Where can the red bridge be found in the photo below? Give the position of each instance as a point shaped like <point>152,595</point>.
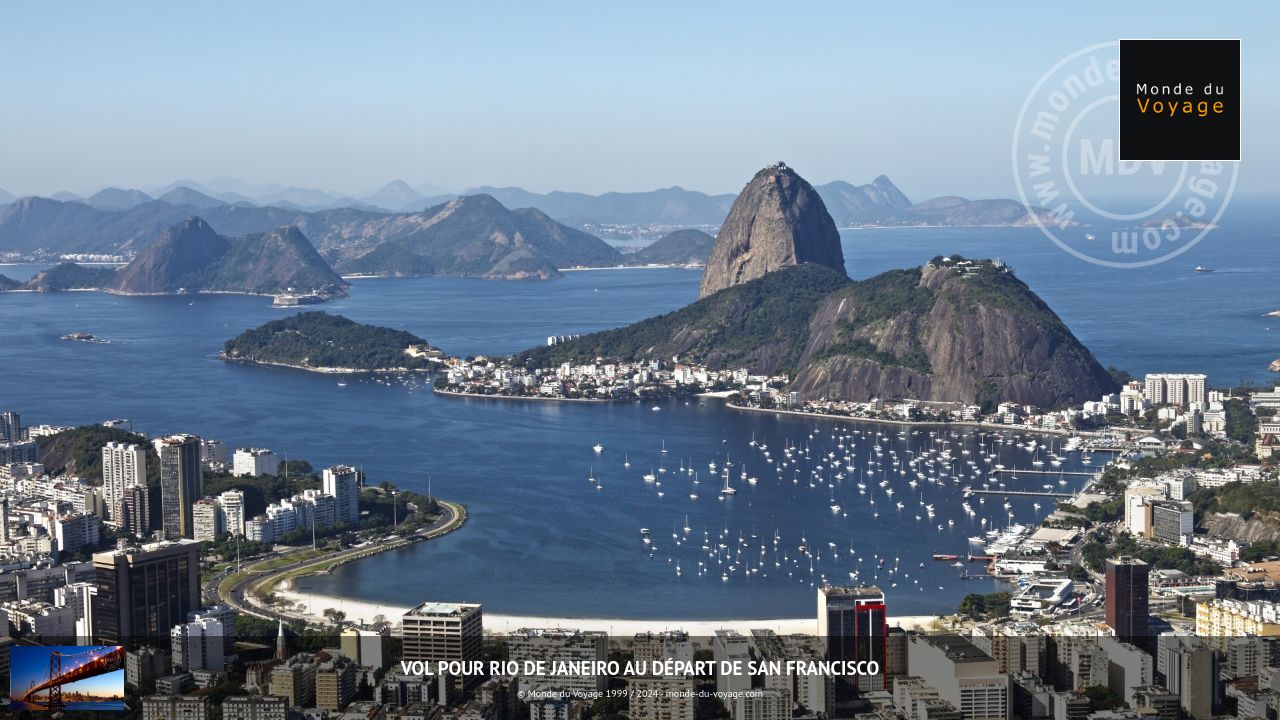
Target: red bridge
<point>66,668</point>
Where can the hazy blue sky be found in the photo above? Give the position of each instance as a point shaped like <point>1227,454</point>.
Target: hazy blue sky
<point>589,97</point>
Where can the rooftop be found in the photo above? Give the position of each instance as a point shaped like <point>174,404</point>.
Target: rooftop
<point>442,609</point>
<point>956,648</point>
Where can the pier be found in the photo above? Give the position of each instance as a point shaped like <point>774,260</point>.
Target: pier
<point>1027,493</point>
<point>1055,473</point>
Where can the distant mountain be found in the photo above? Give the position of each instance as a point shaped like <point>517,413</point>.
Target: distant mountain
<point>300,198</point>
<point>7,283</point>
<point>396,196</point>
<point>852,203</point>
<point>117,199</point>
<point>185,196</point>
<point>668,206</point>
<point>190,256</point>
<point>70,276</point>
<point>64,196</point>
<point>474,235</point>
<point>882,203</point>
<point>387,259</point>
<point>778,220</point>
<point>681,247</point>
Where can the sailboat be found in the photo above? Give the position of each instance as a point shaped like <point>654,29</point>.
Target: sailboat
<point>727,489</point>
<point>626,461</point>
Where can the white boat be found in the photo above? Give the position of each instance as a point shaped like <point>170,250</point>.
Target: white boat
<point>598,448</point>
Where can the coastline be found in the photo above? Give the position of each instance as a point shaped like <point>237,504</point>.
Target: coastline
<point>918,423</point>
<point>322,370</point>
<point>659,266</point>
<point>539,398</point>
<point>363,611</point>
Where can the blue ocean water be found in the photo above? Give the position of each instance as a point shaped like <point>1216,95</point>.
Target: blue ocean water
<point>542,540</point>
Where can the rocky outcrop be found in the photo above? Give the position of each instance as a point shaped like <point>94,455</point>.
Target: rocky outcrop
<point>165,264</point>
<point>960,330</point>
<point>1231,525</point>
<point>191,257</point>
<point>777,221</point>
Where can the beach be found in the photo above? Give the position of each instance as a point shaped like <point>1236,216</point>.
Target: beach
<point>359,611</point>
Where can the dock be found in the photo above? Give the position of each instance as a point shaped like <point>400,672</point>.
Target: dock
<point>1073,473</point>
<point>1026,493</point>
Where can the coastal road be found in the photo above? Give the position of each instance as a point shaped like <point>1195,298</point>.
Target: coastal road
<point>235,593</point>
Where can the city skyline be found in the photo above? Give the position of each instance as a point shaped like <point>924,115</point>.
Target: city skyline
<point>595,100</point>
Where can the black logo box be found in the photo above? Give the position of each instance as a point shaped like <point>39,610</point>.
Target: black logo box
<point>1186,65</point>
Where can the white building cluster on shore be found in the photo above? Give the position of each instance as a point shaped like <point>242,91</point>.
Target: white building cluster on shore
<point>594,381</point>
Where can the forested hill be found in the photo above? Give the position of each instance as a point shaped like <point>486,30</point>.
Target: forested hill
<point>320,341</point>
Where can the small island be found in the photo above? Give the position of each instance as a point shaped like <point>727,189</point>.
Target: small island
<point>85,337</point>
<point>319,342</point>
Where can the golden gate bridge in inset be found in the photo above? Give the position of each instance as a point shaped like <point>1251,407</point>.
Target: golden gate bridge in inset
<point>66,668</point>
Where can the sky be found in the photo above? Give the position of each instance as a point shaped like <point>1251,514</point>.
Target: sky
<point>589,97</point>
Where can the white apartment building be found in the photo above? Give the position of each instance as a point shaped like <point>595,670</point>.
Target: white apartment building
<point>231,502</point>
<point>124,465</point>
<point>199,645</point>
<point>252,462</point>
<point>1179,389</point>
<point>206,519</point>
<point>341,481</point>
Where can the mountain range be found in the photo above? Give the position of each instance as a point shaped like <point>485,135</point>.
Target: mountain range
<point>877,203</point>
<point>472,235</point>
<point>775,298</point>
<point>191,257</point>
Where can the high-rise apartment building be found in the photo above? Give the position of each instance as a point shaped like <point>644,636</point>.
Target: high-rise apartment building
<point>181,483</point>
<point>1127,611</point>
<point>124,465</point>
<point>341,481</point>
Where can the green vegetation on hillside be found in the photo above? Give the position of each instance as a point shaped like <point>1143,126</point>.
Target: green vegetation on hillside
<point>79,451</point>
<point>1245,500</point>
<point>320,340</point>
<point>878,300</point>
<point>765,320</point>
<point>71,276</point>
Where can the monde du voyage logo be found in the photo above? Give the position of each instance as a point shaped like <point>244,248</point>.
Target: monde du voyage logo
<point>1124,152</point>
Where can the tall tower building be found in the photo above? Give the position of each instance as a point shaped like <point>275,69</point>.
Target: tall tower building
<point>10,426</point>
<point>340,482</point>
<point>853,622</point>
<point>181,483</point>
<point>143,592</point>
<point>1127,611</point>
<point>232,504</point>
<point>124,465</point>
<point>135,510</point>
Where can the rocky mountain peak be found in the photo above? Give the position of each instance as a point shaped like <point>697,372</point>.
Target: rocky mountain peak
<point>777,221</point>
